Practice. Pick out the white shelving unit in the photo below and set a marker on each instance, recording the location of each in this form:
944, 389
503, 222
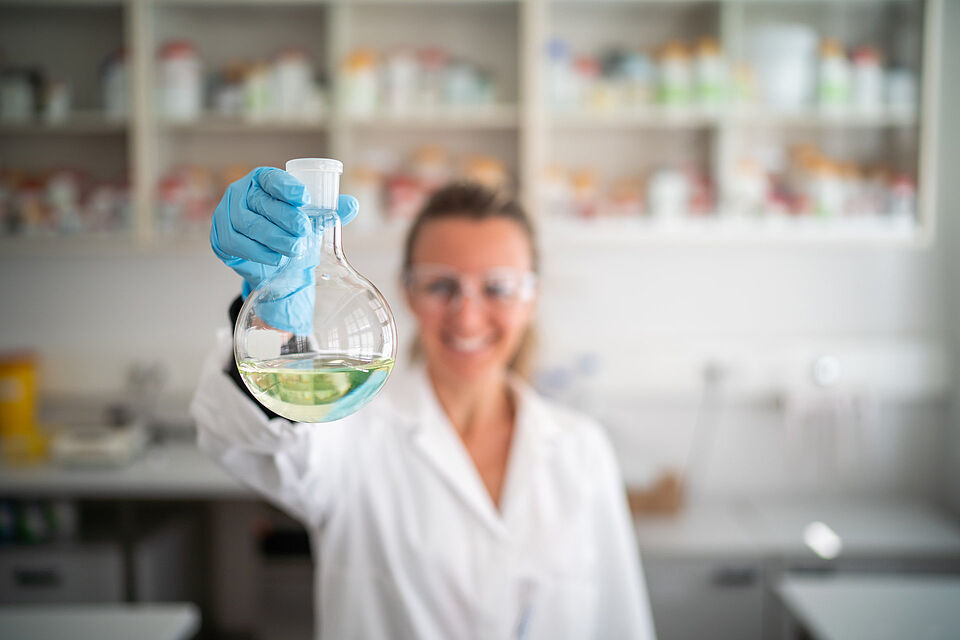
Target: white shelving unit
71, 37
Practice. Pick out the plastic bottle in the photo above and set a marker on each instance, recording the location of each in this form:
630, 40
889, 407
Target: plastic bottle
675, 75
360, 93
867, 81
833, 90
180, 81
711, 73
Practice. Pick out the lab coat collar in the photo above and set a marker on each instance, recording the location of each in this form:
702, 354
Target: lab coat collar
418, 409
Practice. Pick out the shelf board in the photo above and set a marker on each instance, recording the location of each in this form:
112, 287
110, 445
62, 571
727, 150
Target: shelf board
696, 117
647, 117
221, 124
80, 122
815, 118
492, 117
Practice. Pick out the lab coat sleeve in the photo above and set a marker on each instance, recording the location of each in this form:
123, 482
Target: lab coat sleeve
624, 605
298, 467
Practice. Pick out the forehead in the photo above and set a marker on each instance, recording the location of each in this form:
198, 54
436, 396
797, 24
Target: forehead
473, 245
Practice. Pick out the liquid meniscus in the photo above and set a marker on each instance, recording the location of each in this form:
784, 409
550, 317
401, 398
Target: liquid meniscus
314, 388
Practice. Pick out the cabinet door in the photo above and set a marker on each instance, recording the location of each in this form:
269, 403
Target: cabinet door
88, 573
705, 597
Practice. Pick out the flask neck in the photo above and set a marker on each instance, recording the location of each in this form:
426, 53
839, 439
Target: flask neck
325, 236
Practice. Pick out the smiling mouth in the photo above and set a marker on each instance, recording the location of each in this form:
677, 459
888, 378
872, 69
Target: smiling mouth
468, 345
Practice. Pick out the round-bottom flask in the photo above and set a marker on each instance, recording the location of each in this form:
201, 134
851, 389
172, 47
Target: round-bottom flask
316, 340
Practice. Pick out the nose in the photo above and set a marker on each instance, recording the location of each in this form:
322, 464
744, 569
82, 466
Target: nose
468, 307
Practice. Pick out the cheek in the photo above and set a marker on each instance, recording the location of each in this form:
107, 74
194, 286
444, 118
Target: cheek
514, 324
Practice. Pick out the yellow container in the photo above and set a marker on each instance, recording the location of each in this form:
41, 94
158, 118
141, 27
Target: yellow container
20, 437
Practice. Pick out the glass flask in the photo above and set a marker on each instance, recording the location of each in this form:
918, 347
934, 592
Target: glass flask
316, 340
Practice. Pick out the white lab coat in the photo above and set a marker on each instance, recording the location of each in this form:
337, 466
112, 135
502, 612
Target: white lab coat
406, 540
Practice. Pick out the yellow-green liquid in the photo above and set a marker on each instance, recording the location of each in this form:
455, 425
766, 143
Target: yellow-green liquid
312, 388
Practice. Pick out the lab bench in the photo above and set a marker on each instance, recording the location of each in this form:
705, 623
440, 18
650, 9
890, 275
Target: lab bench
97, 622
876, 607
711, 570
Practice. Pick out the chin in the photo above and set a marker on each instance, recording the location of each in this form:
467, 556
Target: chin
467, 367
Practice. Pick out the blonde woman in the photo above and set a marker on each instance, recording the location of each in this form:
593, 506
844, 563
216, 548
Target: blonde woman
458, 503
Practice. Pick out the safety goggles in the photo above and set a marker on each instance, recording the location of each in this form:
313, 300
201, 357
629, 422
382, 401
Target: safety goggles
441, 286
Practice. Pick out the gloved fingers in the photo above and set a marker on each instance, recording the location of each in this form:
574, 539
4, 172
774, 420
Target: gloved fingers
226, 240
261, 230
347, 208
281, 185
280, 213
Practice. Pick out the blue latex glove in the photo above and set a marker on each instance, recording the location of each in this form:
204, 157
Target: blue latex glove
257, 223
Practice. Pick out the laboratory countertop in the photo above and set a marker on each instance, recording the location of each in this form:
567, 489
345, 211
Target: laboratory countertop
865, 528
167, 471
178, 470
174, 621
851, 607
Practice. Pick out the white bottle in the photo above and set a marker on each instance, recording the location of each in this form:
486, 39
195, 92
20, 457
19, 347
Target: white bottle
181, 81
833, 91
401, 78
867, 81
115, 86
668, 194
360, 95
292, 84
901, 90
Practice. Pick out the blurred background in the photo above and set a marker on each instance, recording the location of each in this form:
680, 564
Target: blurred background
748, 217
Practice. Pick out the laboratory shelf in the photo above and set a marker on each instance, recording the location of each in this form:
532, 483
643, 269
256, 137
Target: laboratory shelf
493, 117
813, 118
90, 122
220, 124
654, 118
426, 2
703, 117
504, 38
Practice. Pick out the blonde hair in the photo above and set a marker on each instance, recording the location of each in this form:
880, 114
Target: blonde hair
474, 201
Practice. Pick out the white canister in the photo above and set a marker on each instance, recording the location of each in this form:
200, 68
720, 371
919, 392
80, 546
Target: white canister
867, 93
257, 92
292, 84
57, 103
668, 194
360, 91
784, 57
901, 89
833, 89
675, 75
114, 84
181, 81
711, 73
18, 96
401, 79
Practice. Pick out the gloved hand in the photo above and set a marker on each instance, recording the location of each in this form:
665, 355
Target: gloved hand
258, 221
256, 224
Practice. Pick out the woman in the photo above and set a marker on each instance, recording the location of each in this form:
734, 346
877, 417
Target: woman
458, 504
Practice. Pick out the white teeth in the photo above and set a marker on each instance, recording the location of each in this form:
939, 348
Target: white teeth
468, 344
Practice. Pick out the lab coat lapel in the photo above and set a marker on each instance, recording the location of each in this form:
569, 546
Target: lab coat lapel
436, 439
533, 438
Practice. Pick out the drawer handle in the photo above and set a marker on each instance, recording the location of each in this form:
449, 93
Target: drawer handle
735, 577
36, 578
